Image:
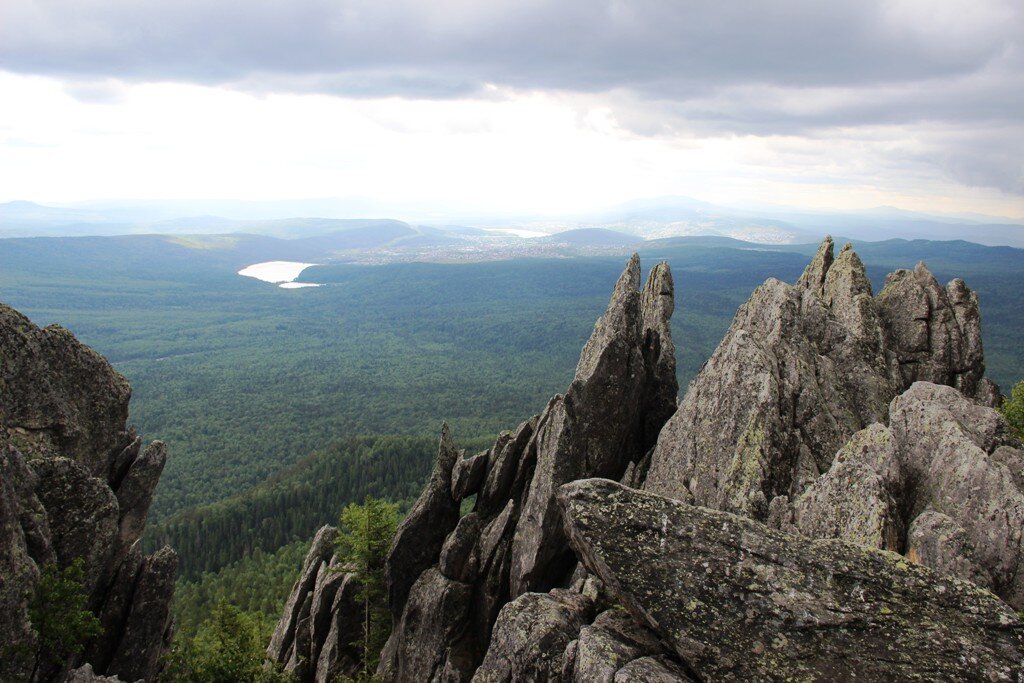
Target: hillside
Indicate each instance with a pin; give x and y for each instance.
(239, 373)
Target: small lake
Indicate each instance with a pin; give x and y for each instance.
(282, 273)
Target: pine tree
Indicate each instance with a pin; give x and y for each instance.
(60, 615)
(365, 535)
(1013, 409)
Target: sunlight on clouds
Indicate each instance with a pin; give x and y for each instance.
(507, 152)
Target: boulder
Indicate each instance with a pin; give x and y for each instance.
(941, 484)
(737, 600)
(531, 635)
(468, 474)
(608, 645)
(85, 674)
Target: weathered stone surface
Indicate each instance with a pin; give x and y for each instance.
(83, 517)
(336, 656)
(609, 644)
(607, 418)
(459, 560)
(85, 674)
(329, 580)
(136, 489)
(505, 458)
(531, 635)
(434, 616)
(66, 397)
(468, 474)
(657, 303)
(802, 368)
(420, 536)
(116, 606)
(64, 450)
(298, 663)
(320, 552)
(651, 670)
(18, 573)
(937, 541)
(147, 628)
(934, 331)
(944, 471)
(737, 600)
(855, 500)
(945, 440)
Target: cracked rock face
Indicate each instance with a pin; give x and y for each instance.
(802, 368)
(940, 484)
(810, 416)
(739, 601)
(449, 578)
(75, 487)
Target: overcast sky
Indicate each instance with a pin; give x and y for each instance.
(525, 105)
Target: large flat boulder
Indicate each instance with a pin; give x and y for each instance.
(737, 600)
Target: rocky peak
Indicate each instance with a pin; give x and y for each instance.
(77, 485)
(804, 367)
(449, 577)
(891, 507)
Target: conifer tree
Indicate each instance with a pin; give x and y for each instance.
(365, 535)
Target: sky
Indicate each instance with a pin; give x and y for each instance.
(524, 106)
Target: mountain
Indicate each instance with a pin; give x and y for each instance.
(818, 506)
(642, 218)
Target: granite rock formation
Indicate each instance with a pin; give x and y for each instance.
(737, 600)
(76, 484)
(940, 484)
(448, 578)
(821, 413)
(802, 369)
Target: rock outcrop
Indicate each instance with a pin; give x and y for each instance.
(802, 369)
(448, 578)
(940, 484)
(884, 477)
(313, 639)
(739, 601)
(74, 486)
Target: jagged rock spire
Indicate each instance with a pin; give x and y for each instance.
(804, 367)
(420, 536)
(623, 391)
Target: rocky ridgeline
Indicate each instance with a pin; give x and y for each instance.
(76, 483)
(834, 498)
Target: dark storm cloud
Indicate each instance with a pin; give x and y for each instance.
(786, 67)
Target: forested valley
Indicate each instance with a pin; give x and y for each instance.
(280, 407)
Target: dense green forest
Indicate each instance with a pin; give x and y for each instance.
(256, 584)
(294, 503)
(273, 401)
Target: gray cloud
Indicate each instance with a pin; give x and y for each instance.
(787, 67)
(658, 47)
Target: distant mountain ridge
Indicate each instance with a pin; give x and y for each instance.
(645, 218)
